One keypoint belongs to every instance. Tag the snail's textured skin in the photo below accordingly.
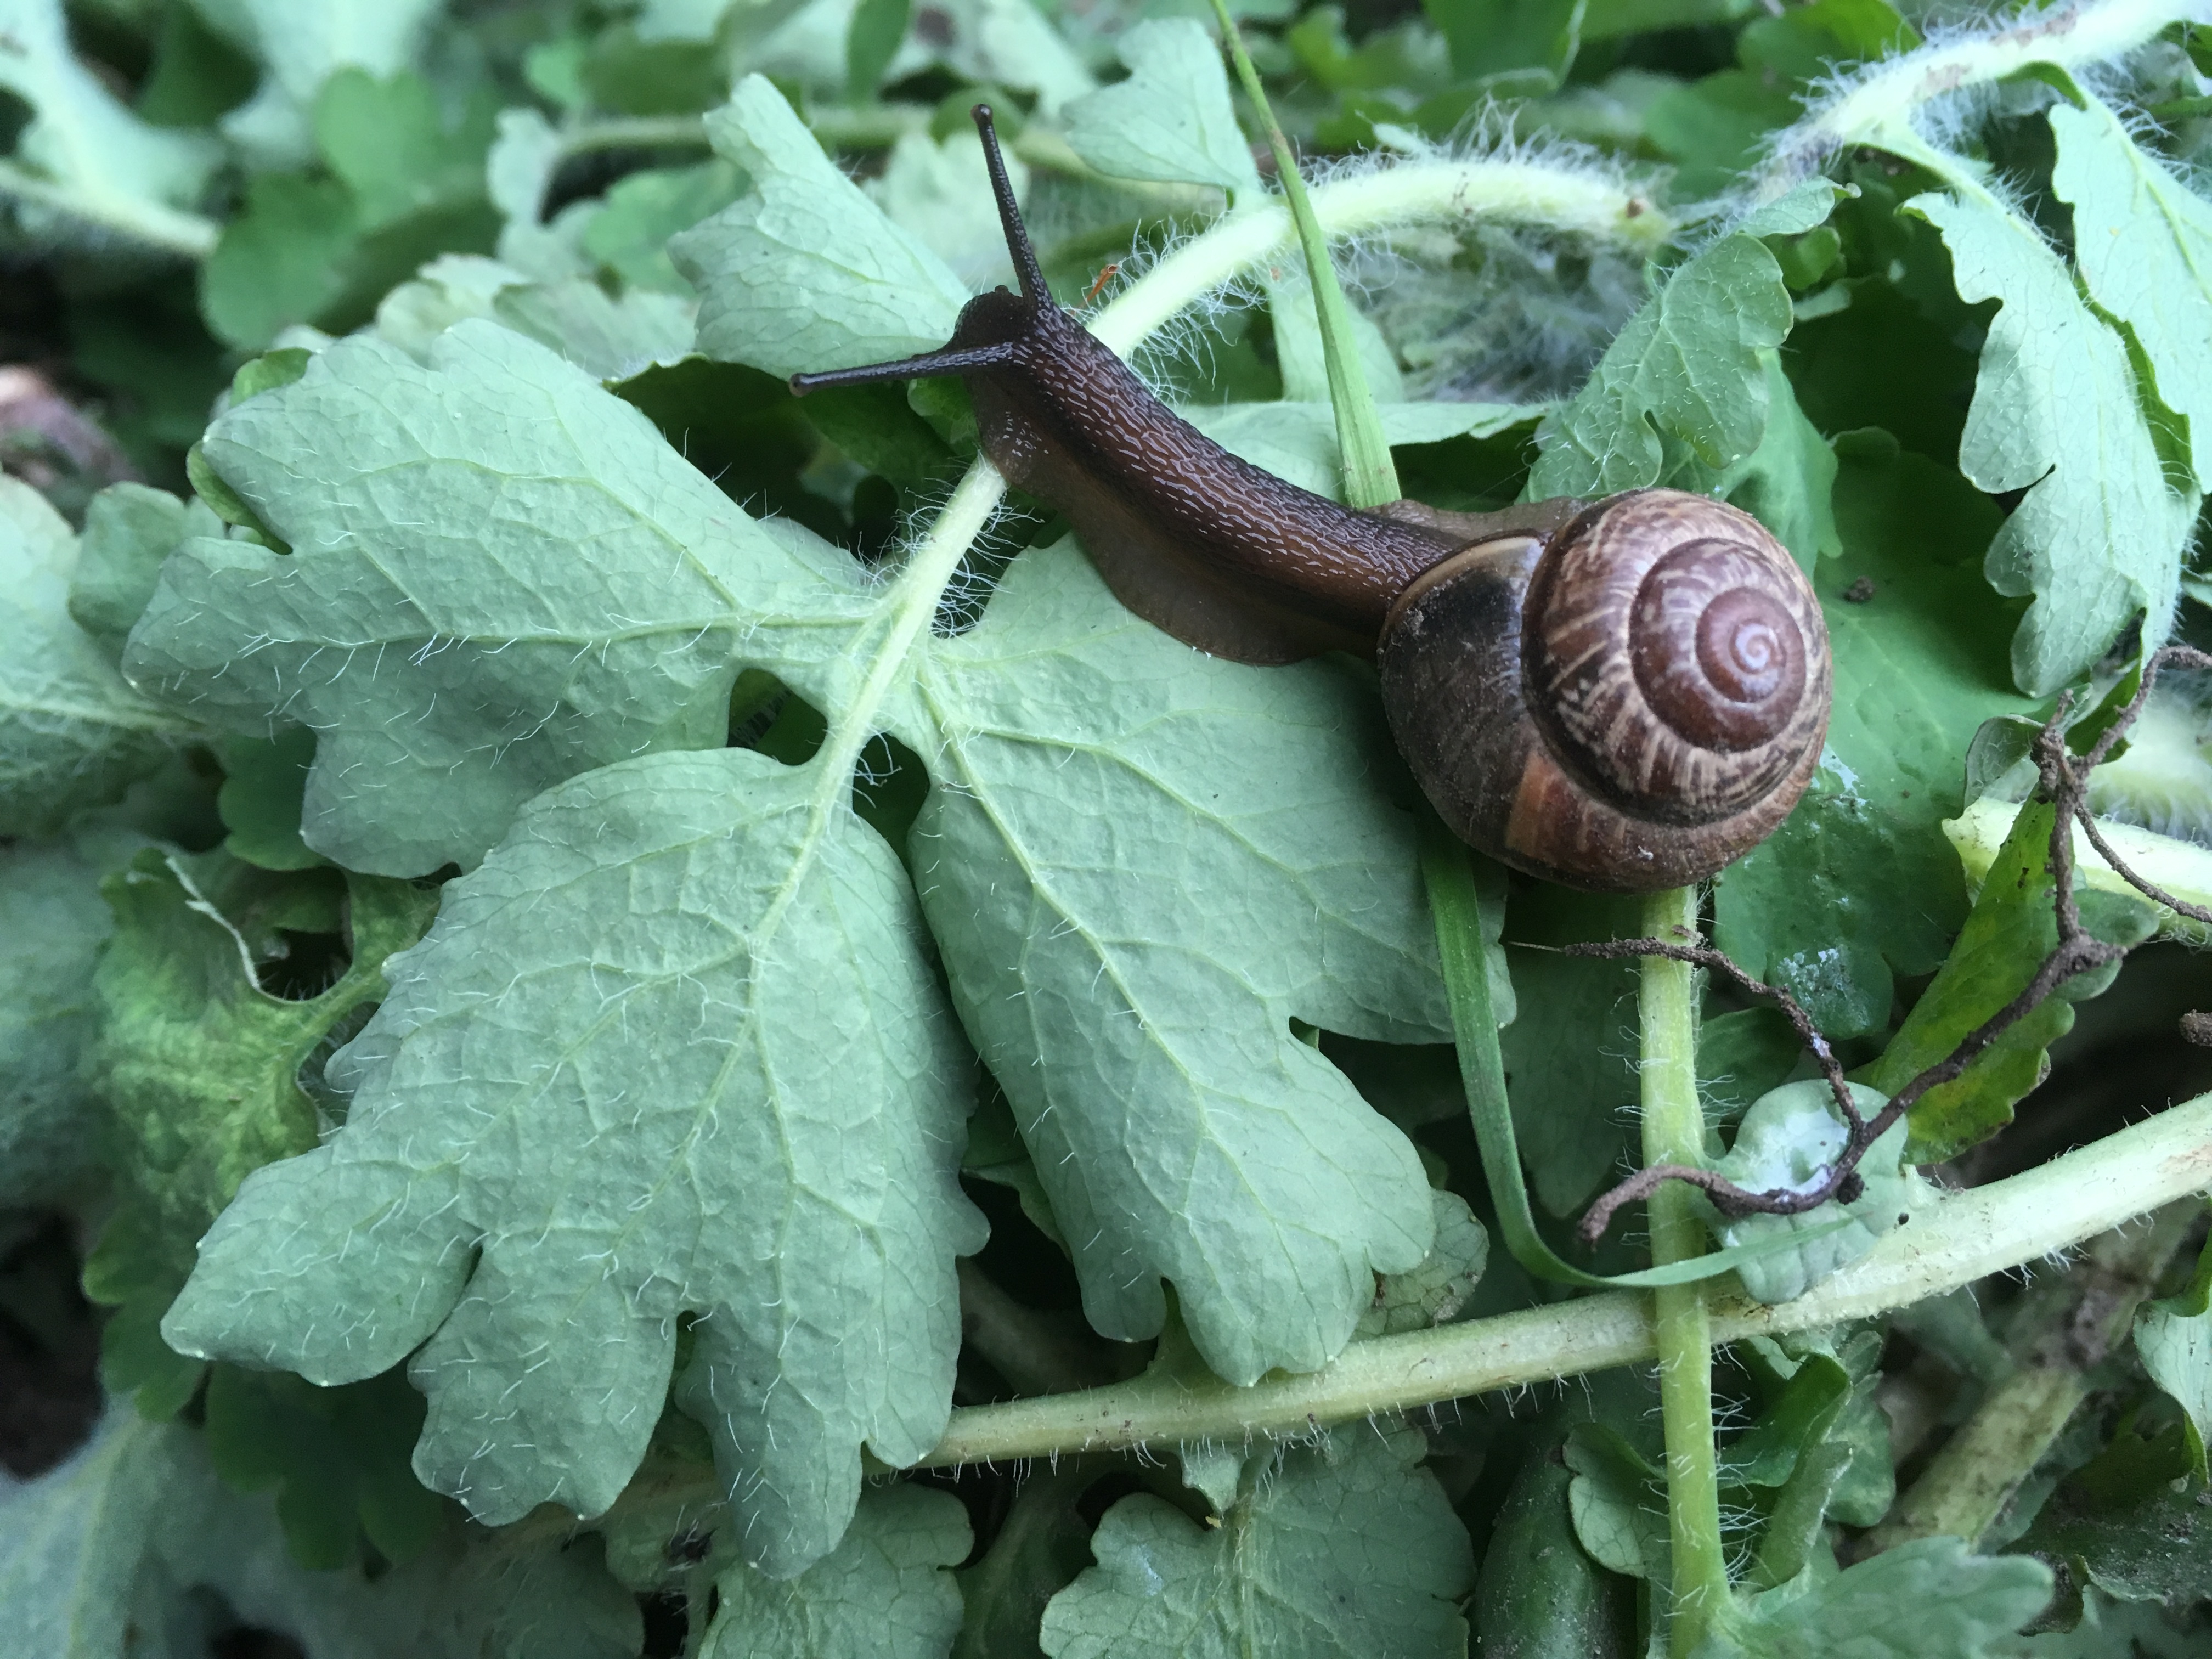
(1625, 696)
(1628, 707)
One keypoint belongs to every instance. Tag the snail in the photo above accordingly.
(1623, 694)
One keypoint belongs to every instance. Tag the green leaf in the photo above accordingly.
(200, 1067)
(1618, 1501)
(1493, 38)
(1041, 1546)
(53, 923)
(323, 249)
(1787, 1139)
(805, 272)
(1919, 663)
(2173, 1340)
(1171, 121)
(338, 1457)
(504, 578)
(1344, 1548)
(1930, 1599)
(83, 162)
(871, 40)
(134, 1547)
(629, 235)
(1092, 774)
(1688, 368)
(887, 1589)
(73, 734)
(128, 529)
(1434, 1292)
(2010, 931)
(1570, 1051)
(2143, 241)
(647, 898)
(1787, 482)
(2098, 539)
(2158, 1548)
(300, 51)
(264, 780)
(281, 261)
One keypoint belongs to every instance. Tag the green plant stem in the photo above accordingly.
(635, 133)
(1569, 199)
(2069, 1328)
(1965, 1236)
(1674, 1133)
(151, 224)
(1877, 106)
(1371, 479)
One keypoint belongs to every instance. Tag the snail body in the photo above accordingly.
(1621, 696)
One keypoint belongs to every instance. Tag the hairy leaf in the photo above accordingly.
(1344, 1548)
(1092, 777)
(73, 734)
(886, 1590)
(542, 1167)
(502, 577)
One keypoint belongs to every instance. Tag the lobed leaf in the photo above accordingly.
(73, 734)
(1171, 121)
(503, 576)
(1930, 1599)
(885, 1590)
(2098, 538)
(2143, 241)
(1344, 1548)
(669, 1052)
(1139, 863)
(804, 272)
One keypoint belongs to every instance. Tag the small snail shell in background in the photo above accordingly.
(1622, 696)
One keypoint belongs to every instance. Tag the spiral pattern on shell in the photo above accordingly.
(1675, 657)
(1626, 702)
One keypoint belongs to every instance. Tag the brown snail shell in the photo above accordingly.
(1626, 705)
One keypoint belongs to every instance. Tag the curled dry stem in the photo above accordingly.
(2063, 780)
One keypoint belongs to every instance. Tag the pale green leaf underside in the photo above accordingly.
(502, 576)
(1787, 1139)
(72, 733)
(2099, 537)
(1343, 1549)
(804, 272)
(2143, 241)
(1139, 863)
(2176, 1349)
(886, 1591)
(1171, 121)
(671, 1049)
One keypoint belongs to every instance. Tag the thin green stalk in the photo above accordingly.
(1674, 1133)
(1877, 105)
(1371, 478)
